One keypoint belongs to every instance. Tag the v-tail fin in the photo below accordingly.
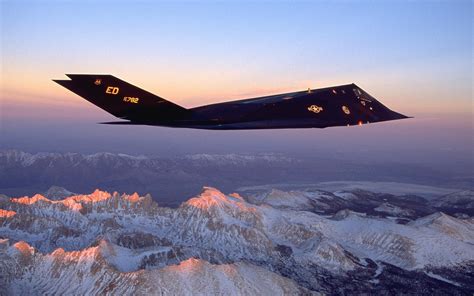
(122, 99)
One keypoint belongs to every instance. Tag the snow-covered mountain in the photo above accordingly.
(273, 243)
(459, 203)
(57, 193)
(87, 272)
(13, 157)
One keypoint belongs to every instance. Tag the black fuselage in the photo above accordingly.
(291, 111)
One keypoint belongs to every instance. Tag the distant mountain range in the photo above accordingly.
(25, 174)
(265, 242)
(172, 180)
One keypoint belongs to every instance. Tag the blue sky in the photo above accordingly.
(202, 51)
(414, 56)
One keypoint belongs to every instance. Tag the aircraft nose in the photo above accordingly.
(382, 113)
(396, 115)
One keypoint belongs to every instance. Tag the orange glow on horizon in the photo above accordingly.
(35, 94)
(33, 88)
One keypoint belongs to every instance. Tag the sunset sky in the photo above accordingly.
(414, 56)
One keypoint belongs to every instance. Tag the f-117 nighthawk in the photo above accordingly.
(313, 108)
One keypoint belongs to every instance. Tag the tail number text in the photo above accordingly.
(133, 100)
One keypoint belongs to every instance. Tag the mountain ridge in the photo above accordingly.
(303, 246)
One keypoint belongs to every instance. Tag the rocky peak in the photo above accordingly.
(30, 200)
(7, 213)
(209, 197)
(57, 193)
(454, 227)
(23, 253)
(213, 203)
(344, 214)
